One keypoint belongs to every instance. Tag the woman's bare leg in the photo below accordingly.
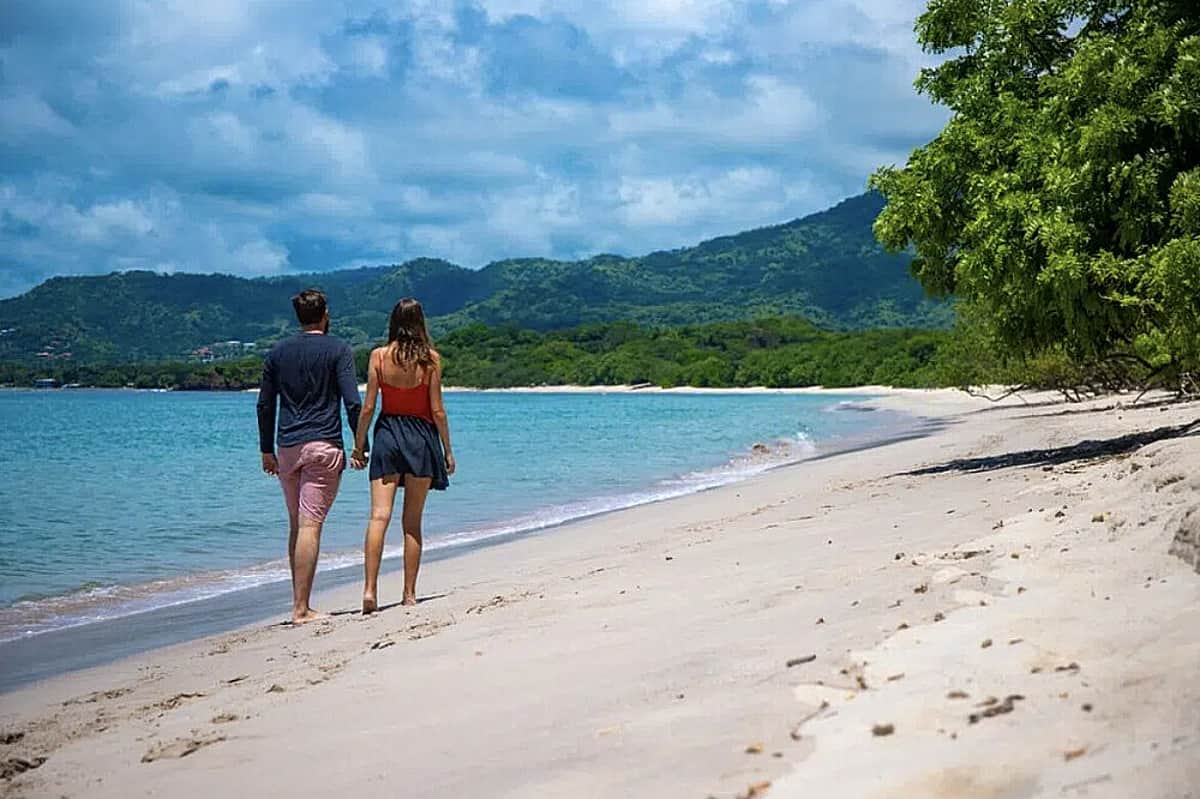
(416, 489)
(383, 499)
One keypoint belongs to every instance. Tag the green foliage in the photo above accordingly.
(775, 352)
(827, 267)
(224, 376)
(1062, 200)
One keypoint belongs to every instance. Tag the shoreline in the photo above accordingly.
(95, 642)
(1020, 551)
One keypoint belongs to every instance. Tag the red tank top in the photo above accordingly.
(400, 401)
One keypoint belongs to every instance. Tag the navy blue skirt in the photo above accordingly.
(408, 445)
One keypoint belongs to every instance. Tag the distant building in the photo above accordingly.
(45, 382)
(224, 350)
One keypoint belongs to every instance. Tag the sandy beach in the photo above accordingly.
(1006, 607)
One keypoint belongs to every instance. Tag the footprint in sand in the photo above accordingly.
(425, 629)
(331, 667)
(499, 601)
(226, 645)
(495, 602)
(114, 693)
(12, 766)
(173, 702)
(181, 747)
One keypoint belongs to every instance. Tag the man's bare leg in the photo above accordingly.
(305, 547)
(293, 534)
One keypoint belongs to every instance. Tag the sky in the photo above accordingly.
(260, 138)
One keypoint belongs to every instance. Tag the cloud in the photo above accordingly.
(26, 115)
(258, 138)
(755, 193)
(767, 111)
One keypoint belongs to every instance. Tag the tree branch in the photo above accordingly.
(1011, 391)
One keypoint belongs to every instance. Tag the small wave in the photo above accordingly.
(35, 616)
(859, 406)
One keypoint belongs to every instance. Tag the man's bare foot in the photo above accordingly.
(369, 605)
(409, 599)
(307, 616)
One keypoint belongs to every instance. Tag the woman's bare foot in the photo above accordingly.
(369, 605)
(409, 599)
(308, 615)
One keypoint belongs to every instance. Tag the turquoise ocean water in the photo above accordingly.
(116, 503)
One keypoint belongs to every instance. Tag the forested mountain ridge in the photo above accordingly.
(826, 267)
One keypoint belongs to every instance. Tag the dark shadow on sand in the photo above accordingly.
(1162, 403)
(1128, 402)
(421, 600)
(337, 614)
(1057, 456)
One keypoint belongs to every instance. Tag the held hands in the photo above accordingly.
(269, 464)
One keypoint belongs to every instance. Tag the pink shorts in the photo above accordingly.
(310, 474)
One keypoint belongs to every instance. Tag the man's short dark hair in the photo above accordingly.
(310, 306)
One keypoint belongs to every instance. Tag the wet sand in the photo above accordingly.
(989, 611)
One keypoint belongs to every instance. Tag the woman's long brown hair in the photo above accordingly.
(406, 329)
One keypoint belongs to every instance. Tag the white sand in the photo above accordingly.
(644, 653)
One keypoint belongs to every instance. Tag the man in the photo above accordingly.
(306, 375)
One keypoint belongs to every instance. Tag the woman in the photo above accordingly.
(412, 441)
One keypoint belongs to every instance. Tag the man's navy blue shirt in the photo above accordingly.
(307, 374)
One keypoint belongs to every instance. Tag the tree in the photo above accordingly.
(1062, 199)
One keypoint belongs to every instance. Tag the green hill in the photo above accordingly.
(826, 267)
